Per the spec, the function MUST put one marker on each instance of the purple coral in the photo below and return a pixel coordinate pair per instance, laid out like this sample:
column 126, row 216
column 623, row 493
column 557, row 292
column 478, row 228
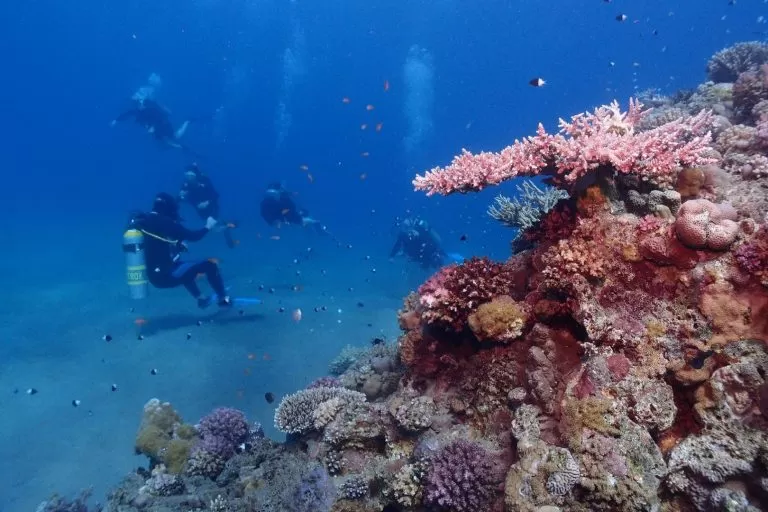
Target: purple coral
column 222, row 431
column 461, row 478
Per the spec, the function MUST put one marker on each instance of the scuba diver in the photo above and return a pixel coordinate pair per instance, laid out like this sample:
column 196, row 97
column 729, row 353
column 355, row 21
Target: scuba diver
column 278, row 207
column 165, row 239
column 154, row 117
column 199, row 192
column 419, row 242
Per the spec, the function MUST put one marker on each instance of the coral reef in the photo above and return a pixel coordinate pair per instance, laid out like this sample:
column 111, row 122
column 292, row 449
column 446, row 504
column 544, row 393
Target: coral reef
column 727, row 64
column 616, row 361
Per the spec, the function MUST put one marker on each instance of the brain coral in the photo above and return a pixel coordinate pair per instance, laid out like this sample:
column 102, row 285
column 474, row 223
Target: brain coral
column 702, row 224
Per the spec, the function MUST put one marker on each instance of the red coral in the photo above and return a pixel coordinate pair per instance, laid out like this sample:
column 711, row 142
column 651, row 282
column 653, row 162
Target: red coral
column 455, row 291
column 619, row 366
column 752, row 256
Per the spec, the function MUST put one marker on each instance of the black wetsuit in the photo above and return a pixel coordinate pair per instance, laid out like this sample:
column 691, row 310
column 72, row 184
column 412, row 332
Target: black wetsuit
column 151, row 115
column 276, row 210
column 419, row 245
column 201, row 190
column 163, row 237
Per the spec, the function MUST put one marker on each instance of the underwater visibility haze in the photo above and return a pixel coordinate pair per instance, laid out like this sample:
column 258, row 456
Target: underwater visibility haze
column 281, row 255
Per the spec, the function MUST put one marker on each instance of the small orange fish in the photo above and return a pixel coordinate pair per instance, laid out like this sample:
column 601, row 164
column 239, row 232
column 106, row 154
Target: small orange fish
column 266, row 357
column 215, row 261
column 310, row 178
column 369, row 107
column 296, row 315
column 275, row 237
column 140, row 322
column 363, row 176
column 363, row 126
column 304, row 167
column 285, row 211
column 251, row 356
column 364, row 154
column 345, row 100
column 379, row 126
column 386, row 85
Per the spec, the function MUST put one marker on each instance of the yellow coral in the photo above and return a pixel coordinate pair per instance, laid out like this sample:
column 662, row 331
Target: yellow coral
column 176, row 455
column 501, row 320
column 150, row 441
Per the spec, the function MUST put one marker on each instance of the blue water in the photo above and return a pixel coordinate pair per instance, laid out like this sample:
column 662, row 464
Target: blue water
column 268, row 78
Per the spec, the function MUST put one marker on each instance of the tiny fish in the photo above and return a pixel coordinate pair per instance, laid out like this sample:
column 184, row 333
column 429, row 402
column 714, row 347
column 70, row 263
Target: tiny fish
column 345, row 100
column 463, row 238
column 199, row 323
column 31, row 391
column 153, row 371
column 76, row 403
column 363, row 126
column 281, row 310
column 251, row 356
column 231, row 225
column 304, row 167
column 285, row 211
column 310, row 178
column 140, row 337
column 269, row 397
column 537, row 82
column 114, row 387
column 363, row 176
column 296, row 315
column 386, row 84
column 139, row 322
column 364, row 154
column 360, row 305
column 275, row 237
column 189, row 336
column 107, row 338
column 266, row 357
column 621, row 17
column 379, row 126
column 369, row 107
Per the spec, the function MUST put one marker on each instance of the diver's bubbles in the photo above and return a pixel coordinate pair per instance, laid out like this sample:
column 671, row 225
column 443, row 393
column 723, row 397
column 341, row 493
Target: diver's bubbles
column 419, row 77
column 294, row 69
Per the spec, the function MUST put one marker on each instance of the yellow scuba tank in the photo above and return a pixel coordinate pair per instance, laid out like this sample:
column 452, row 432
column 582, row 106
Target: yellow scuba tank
column 135, row 263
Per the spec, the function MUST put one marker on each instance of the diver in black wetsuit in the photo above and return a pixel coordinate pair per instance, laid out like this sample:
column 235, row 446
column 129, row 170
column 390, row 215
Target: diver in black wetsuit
column 156, row 119
column 419, row 242
column 164, row 239
column 198, row 191
column 278, row 207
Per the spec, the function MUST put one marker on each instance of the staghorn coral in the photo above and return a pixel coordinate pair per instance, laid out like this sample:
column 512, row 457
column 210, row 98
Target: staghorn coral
column 295, row 414
column 727, row 64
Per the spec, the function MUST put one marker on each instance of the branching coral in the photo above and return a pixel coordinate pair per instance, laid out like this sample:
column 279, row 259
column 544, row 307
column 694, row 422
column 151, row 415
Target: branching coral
column 451, row 295
column 460, row 478
column 296, row 412
column 525, row 210
column 591, row 140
